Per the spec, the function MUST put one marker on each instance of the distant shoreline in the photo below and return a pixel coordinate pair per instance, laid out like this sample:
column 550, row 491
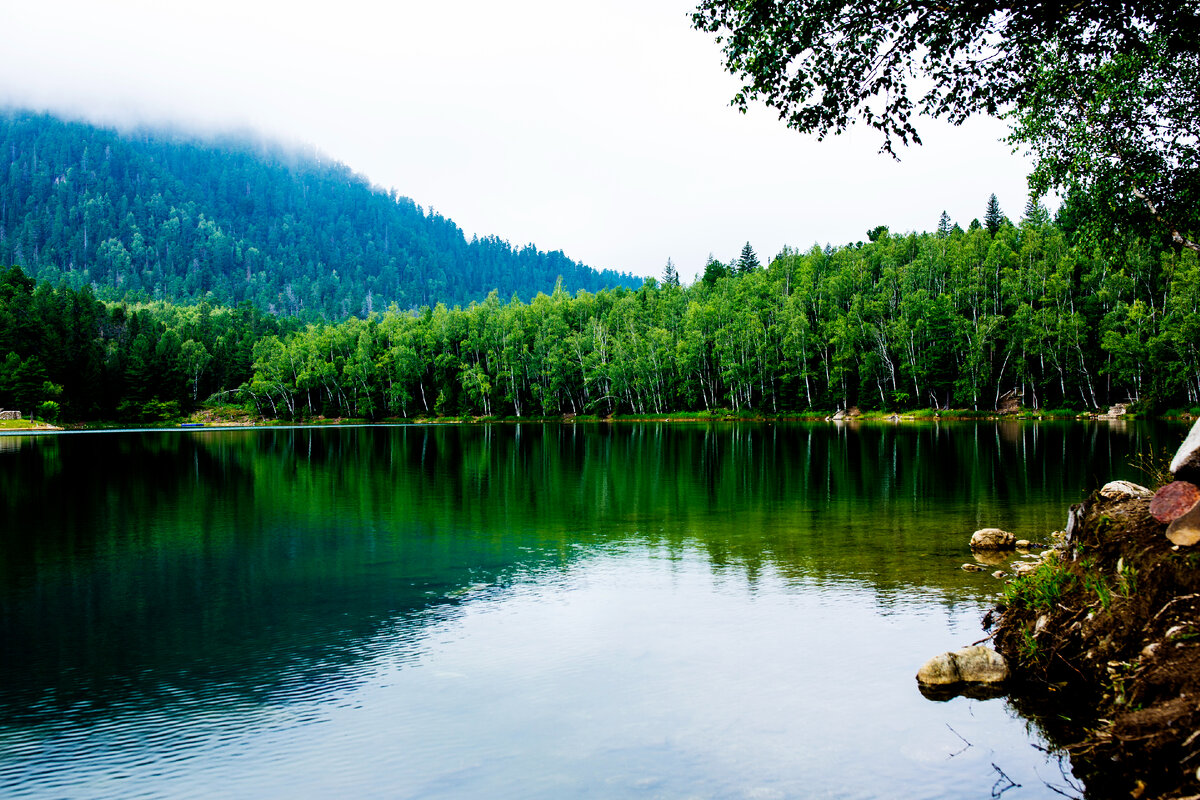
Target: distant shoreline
column 923, row 416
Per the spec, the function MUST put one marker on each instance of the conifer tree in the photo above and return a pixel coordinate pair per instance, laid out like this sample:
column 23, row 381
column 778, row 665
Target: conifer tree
column 748, row 260
column 944, row 227
column 993, row 217
column 670, row 274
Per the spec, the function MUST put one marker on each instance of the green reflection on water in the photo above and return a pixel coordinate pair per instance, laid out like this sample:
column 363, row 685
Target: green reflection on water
column 163, row 560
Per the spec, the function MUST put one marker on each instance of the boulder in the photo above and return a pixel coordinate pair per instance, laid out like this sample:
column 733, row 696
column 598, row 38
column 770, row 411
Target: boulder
column 1186, row 464
column 1117, row 490
column 976, row 664
column 1178, row 505
column 1115, row 412
column 1010, row 403
column 992, row 539
column 972, row 568
column 1186, row 529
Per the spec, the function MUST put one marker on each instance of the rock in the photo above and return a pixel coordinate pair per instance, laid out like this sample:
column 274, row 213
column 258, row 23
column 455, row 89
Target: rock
column 1174, row 500
column 999, row 574
column 940, row 671
column 1186, row 464
column 1023, row 544
column 1115, row 490
column 976, row 664
column 992, row 539
column 1024, row 567
column 972, row 568
column 1119, row 410
column 1186, row 529
column 1010, row 403
column 839, row 415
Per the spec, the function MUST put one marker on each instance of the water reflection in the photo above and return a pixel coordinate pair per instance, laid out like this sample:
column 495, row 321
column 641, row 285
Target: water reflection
column 246, row 573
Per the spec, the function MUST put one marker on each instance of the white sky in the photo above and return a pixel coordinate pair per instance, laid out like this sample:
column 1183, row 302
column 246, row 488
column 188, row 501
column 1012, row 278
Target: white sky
column 600, row 129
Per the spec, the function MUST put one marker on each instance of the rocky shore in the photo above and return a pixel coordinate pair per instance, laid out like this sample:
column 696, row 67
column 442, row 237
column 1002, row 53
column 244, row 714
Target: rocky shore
column 1102, row 639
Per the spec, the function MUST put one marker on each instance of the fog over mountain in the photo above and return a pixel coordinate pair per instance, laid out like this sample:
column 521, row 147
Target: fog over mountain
column 158, row 215
column 604, row 132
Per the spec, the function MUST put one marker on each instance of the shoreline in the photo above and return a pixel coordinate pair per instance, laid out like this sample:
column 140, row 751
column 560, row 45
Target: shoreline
column 1103, row 639
column 216, row 419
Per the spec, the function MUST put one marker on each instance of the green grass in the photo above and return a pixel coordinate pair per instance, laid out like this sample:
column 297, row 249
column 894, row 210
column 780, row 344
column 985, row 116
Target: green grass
column 1040, row 589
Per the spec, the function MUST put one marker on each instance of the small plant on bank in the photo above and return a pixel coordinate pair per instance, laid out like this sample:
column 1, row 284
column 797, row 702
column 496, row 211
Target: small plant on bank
column 1098, row 585
column 1154, row 464
column 1039, row 589
column 1126, row 578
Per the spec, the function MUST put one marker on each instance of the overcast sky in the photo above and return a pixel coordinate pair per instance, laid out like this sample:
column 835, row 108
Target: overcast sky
column 600, row 129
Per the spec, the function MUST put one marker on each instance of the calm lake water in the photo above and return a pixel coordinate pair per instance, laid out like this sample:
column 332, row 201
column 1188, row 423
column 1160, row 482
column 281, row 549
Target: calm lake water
column 519, row 611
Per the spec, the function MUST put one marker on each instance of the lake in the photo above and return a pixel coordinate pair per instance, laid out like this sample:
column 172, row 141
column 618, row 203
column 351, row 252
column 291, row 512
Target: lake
column 636, row 610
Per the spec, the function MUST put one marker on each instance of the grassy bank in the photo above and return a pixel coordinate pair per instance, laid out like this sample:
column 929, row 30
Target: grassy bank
column 1106, row 643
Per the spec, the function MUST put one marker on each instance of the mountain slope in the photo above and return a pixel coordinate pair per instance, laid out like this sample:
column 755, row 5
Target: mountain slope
column 151, row 215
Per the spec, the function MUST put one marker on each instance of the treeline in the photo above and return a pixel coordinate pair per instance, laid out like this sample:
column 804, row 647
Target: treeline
column 64, row 355
column 151, row 216
column 950, row 319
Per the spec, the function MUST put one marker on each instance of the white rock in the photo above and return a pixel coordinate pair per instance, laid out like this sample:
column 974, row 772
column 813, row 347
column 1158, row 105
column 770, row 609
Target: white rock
column 992, row 539
column 977, row 664
column 1187, row 457
column 1114, row 490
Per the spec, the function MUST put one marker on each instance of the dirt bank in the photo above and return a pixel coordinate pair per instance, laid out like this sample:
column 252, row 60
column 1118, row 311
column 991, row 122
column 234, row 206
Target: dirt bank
column 1106, row 642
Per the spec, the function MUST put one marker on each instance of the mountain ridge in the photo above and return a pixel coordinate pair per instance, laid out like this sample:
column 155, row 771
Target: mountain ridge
column 152, row 213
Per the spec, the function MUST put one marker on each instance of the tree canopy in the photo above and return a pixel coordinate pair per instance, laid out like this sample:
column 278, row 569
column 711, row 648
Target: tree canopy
column 1101, row 93
column 148, row 216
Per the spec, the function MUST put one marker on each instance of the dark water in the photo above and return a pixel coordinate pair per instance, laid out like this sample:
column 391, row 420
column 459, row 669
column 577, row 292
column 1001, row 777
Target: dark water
column 533, row 611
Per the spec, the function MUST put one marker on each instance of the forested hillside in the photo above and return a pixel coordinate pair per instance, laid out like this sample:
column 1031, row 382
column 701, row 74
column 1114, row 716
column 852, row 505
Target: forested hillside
column 151, row 216
column 953, row 318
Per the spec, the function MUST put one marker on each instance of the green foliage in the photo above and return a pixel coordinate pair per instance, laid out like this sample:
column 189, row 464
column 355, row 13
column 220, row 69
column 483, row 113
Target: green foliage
column 1102, row 95
column 1041, row 588
column 1098, row 585
column 993, row 217
column 950, row 320
column 147, row 216
column 65, row 356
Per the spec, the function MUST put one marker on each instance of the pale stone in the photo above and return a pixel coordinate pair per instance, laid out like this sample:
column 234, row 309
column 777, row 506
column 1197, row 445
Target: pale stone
column 1115, row 490
column 972, row 568
column 999, row 574
column 1024, row 544
column 1187, row 457
column 981, row 664
column 939, row 671
column 1119, row 410
column 976, row 664
column 1185, row 530
column 992, row 539
column 1024, row 567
